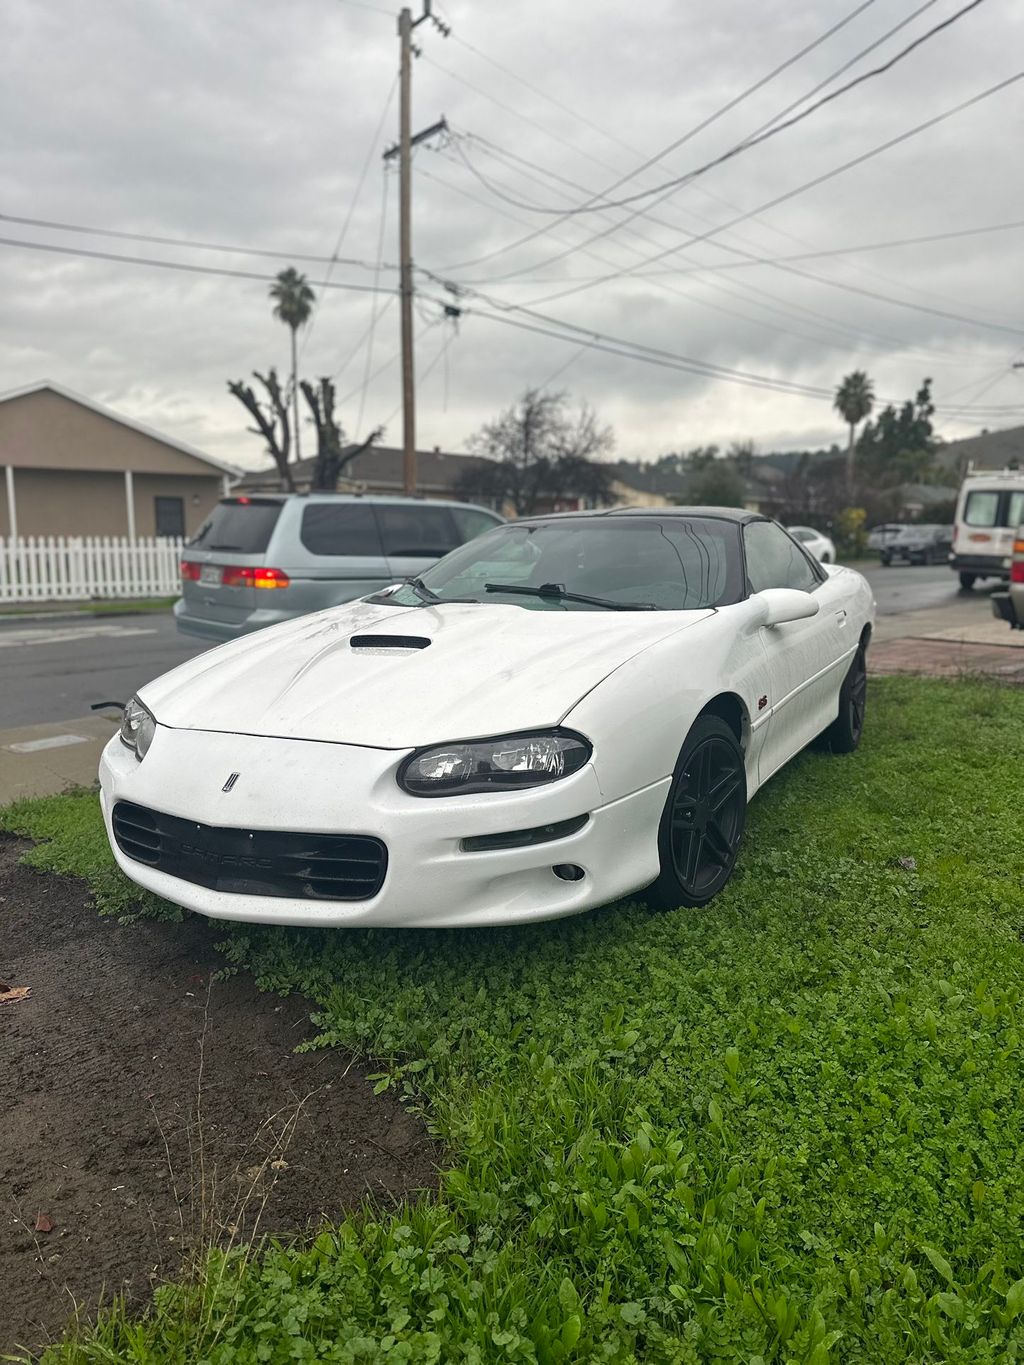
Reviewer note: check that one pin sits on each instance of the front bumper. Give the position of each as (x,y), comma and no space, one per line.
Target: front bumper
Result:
(430,882)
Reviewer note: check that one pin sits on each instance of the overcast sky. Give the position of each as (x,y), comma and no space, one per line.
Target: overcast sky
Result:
(251,123)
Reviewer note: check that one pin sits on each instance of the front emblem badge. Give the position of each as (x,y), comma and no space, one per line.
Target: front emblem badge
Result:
(230,782)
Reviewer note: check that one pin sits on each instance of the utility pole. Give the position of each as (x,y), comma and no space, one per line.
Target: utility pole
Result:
(403,150)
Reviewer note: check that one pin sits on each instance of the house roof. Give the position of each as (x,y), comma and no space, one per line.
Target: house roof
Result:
(988,450)
(436,470)
(104,411)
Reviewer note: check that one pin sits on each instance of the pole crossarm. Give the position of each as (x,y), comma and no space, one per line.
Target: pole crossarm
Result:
(441,126)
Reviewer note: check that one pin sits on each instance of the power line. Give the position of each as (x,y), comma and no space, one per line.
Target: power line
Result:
(596,205)
(668,360)
(188,266)
(695,130)
(374,142)
(817,180)
(376,310)
(781,263)
(359,344)
(156,240)
(747,262)
(777,306)
(748,257)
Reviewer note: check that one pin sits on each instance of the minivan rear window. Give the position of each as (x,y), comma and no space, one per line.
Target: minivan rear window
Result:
(239,525)
(340,528)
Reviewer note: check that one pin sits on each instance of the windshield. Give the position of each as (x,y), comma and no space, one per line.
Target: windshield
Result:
(672,564)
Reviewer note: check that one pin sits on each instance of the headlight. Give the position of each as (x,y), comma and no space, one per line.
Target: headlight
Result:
(137,728)
(484,765)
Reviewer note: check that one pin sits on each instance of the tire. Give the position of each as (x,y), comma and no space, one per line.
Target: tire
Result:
(702,824)
(886,561)
(843,735)
(967,581)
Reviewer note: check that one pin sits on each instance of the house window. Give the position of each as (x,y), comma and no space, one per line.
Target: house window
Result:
(169,514)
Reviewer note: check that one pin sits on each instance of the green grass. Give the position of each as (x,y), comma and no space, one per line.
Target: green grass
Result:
(786,1128)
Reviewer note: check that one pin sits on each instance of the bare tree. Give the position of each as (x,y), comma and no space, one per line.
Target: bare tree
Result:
(271,418)
(538,451)
(331,455)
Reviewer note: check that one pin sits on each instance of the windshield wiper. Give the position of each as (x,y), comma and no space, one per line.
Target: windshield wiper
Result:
(426,594)
(556,592)
(224,546)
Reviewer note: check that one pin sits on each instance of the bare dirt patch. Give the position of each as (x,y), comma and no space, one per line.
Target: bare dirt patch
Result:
(144,1106)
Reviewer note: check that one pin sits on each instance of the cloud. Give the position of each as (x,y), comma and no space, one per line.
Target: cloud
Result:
(252,125)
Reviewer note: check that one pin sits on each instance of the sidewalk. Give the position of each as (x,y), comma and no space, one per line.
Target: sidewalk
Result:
(44,760)
(948,641)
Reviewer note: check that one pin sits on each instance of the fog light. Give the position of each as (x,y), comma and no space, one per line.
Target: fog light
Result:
(568,872)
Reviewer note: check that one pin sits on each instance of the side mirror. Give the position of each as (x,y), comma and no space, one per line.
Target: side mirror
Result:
(779,605)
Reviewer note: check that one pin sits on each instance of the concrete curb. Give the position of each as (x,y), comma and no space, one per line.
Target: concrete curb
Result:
(12,619)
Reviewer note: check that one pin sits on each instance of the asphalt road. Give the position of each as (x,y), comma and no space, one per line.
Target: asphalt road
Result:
(55,670)
(912,587)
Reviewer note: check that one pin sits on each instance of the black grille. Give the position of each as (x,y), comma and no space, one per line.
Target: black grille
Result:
(316,867)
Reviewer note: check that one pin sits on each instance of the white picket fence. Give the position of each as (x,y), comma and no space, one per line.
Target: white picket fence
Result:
(55,568)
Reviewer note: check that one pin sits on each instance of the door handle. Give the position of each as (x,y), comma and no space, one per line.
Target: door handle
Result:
(841,616)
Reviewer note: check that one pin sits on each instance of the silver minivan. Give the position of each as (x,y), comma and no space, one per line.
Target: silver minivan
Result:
(261,559)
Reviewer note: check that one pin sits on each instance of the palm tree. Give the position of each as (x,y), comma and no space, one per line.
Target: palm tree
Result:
(855,397)
(293,303)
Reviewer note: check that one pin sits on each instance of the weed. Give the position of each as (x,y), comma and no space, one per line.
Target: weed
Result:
(783,1128)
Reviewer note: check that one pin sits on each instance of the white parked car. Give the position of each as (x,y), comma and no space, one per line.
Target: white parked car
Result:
(564,711)
(815,543)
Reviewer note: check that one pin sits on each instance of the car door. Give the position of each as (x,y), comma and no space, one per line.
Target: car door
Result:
(804,659)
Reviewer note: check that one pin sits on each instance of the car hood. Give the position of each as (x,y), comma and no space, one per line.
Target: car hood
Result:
(484,670)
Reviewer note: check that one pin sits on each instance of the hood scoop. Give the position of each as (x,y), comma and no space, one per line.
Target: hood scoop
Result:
(388,644)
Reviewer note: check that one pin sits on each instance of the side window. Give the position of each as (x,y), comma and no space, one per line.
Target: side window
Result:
(342,528)
(169,515)
(774,560)
(422,531)
(1016,515)
(470,522)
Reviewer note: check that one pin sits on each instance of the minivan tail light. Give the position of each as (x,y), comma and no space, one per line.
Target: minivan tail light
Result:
(189,571)
(236,576)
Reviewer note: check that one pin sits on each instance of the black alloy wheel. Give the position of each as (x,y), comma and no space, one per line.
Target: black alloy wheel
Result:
(843,735)
(702,824)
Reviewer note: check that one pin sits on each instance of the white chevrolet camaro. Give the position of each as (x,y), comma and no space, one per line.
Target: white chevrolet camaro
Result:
(565,711)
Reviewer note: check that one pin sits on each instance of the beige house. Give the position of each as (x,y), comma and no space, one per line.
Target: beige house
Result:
(72,467)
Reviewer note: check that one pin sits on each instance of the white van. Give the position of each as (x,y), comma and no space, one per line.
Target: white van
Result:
(989,508)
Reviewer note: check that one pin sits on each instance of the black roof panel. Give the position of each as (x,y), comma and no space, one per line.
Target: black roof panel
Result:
(738,515)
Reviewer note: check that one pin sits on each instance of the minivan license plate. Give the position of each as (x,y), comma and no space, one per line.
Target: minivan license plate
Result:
(209,575)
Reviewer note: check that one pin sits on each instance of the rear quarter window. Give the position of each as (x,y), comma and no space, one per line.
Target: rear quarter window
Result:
(472,521)
(235,526)
(422,531)
(339,529)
